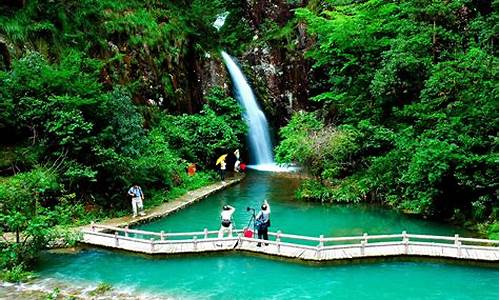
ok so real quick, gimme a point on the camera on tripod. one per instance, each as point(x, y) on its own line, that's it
point(248, 232)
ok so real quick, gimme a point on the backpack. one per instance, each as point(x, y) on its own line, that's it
point(226, 223)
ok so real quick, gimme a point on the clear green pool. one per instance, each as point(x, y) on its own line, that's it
point(240, 276)
point(291, 216)
point(245, 277)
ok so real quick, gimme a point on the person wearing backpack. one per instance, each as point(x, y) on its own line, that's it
point(137, 197)
point(263, 221)
point(226, 217)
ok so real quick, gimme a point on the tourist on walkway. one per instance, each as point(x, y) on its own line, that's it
point(263, 221)
point(137, 197)
point(222, 170)
point(237, 166)
point(237, 162)
point(226, 224)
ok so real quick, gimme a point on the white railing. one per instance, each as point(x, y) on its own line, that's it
point(339, 248)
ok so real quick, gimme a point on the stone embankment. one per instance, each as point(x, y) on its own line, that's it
point(171, 206)
point(152, 213)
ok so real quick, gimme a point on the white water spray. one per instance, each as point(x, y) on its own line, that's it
point(258, 129)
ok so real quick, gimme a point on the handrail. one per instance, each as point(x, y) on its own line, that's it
point(474, 240)
point(159, 234)
point(385, 245)
point(364, 238)
point(294, 236)
point(280, 243)
point(453, 239)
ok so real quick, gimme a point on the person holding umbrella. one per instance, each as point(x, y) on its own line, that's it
point(222, 170)
point(222, 161)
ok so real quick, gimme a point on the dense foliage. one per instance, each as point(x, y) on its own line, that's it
point(98, 94)
point(409, 112)
point(92, 95)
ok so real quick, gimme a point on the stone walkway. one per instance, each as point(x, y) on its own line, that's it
point(171, 206)
point(156, 212)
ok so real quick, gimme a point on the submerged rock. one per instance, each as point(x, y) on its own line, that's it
point(42, 289)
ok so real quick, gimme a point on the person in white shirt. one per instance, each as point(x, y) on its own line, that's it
point(237, 162)
point(237, 166)
point(137, 197)
point(226, 217)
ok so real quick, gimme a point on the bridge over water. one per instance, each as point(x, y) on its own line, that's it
point(294, 246)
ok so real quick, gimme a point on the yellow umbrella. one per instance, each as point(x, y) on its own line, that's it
point(220, 159)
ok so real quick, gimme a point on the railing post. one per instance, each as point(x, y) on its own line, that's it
point(152, 245)
point(205, 232)
point(126, 231)
point(162, 235)
point(458, 244)
point(406, 241)
point(195, 243)
point(116, 239)
point(364, 241)
point(92, 224)
point(239, 240)
point(320, 247)
point(278, 240)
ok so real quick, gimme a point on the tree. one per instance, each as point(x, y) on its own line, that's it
point(22, 213)
point(414, 88)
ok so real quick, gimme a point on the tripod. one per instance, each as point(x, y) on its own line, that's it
point(252, 220)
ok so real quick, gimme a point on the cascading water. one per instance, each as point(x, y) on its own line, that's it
point(258, 133)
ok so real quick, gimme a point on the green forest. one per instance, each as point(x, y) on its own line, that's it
point(387, 102)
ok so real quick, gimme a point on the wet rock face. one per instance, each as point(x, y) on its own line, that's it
point(214, 74)
point(175, 83)
point(281, 80)
point(5, 59)
point(14, 3)
point(259, 10)
point(279, 72)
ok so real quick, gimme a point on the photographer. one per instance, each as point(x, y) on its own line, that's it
point(263, 221)
point(226, 217)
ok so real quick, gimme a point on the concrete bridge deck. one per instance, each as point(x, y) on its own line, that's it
point(295, 246)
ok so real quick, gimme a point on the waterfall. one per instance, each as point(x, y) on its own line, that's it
point(258, 133)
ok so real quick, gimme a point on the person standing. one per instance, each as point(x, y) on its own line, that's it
point(137, 197)
point(263, 221)
point(237, 162)
point(222, 169)
point(226, 224)
point(237, 166)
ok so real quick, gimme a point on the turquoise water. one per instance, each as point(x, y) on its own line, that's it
point(240, 276)
point(291, 216)
point(246, 277)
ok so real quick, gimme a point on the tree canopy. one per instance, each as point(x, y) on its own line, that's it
point(409, 114)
